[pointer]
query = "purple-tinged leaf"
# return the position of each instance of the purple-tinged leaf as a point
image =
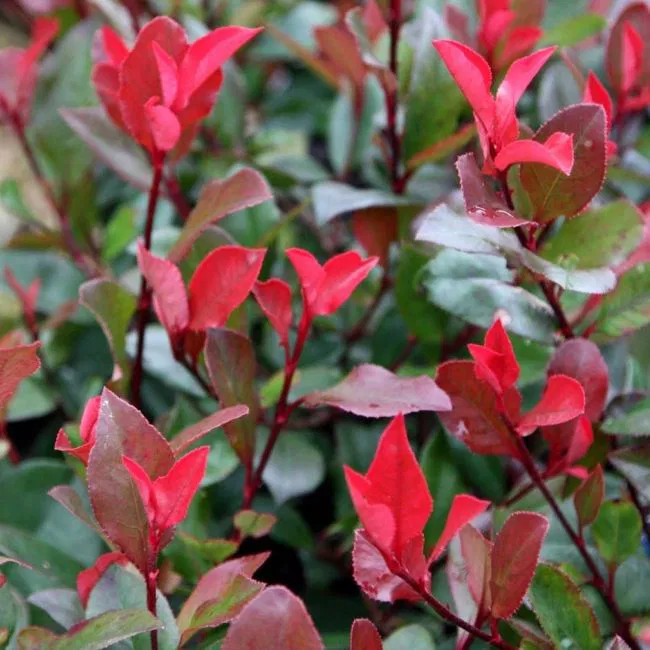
(589, 497)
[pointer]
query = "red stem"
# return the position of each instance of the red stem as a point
(151, 577)
(144, 299)
(394, 25)
(282, 413)
(623, 625)
(448, 615)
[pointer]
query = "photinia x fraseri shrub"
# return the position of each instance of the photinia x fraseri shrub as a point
(325, 330)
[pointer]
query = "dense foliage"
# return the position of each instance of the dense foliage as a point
(323, 324)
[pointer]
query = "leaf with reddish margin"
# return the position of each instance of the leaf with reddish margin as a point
(477, 554)
(514, 559)
(169, 294)
(555, 152)
(221, 282)
(482, 203)
(112, 146)
(464, 509)
(215, 582)
(16, 364)
(231, 364)
(274, 619)
(618, 644)
(364, 636)
(636, 14)
(568, 443)
(122, 430)
(563, 400)
(392, 500)
(274, 299)
(218, 199)
(474, 417)
(254, 524)
(68, 497)
(373, 391)
(373, 576)
(189, 435)
(589, 497)
(553, 194)
(376, 229)
(582, 360)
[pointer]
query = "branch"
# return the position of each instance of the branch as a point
(394, 25)
(144, 300)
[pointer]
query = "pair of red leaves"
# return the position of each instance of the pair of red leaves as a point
(495, 117)
(159, 90)
(324, 288)
(221, 282)
(486, 405)
(19, 70)
(140, 485)
(393, 503)
(506, 29)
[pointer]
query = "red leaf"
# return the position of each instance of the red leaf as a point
(514, 560)
(571, 194)
(193, 433)
(122, 430)
(86, 431)
(373, 575)
(174, 491)
(596, 93)
(581, 359)
(589, 497)
(326, 288)
(376, 229)
(274, 619)
(392, 499)
(473, 76)
(373, 391)
(16, 364)
(482, 203)
(636, 15)
(274, 298)
(27, 297)
(169, 295)
(221, 282)
(88, 578)
(464, 509)
(477, 553)
(495, 360)
(563, 400)
(364, 635)
(475, 417)
(216, 582)
(556, 152)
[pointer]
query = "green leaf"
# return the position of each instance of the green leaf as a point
(617, 531)
(434, 102)
(636, 422)
(631, 588)
(601, 236)
(254, 524)
(424, 320)
(120, 589)
(410, 637)
(120, 232)
(627, 308)
(113, 306)
(589, 497)
(14, 615)
(562, 611)
(94, 634)
(444, 480)
(445, 227)
(574, 30)
(296, 466)
(62, 605)
(634, 464)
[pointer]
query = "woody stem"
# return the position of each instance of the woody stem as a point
(151, 576)
(544, 285)
(449, 616)
(394, 25)
(144, 299)
(622, 624)
(282, 413)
